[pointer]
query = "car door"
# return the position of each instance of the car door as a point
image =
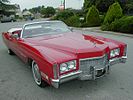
(13, 42)
(17, 46)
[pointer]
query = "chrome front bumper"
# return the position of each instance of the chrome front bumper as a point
(77, 74)
(117, 60)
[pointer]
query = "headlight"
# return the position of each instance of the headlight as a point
(67, 66)
(63, 67)
(114, 52)
(117, 51)
(72, 65)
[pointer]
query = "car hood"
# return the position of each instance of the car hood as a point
(83, 45)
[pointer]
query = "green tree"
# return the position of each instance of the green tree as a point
(4, 1)
(114, 12)
(124, 24)
(92, 17)
(64, 15)
(43, 11)
(36, 9)
(88, 4)
(129, 7)
(73, 21)
(103, 5)
(2, 4)
(49, 11)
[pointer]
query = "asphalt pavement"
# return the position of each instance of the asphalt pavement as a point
(16, 81)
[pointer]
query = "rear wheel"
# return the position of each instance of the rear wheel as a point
(10, 52)
(37, 75)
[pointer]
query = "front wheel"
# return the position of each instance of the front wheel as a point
(37, 75)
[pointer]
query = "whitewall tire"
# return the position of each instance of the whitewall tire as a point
(37, 75)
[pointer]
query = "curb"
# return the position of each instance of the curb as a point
(97, 29)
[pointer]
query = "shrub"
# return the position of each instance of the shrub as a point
(92, 17)
(102, 18)
(105, 27)
(84, 24)
(114, 12)
(125, 24)
(63, 15)
(73, 21)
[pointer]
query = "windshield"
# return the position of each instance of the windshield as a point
(44, 28)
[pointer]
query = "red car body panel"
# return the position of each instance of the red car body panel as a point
(56, 49)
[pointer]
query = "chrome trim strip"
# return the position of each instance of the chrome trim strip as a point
(56, 82)
(92, 58)
(114, 59)
(55, 71)
(117, 60)
(21, 35)
(71, 74)
(124, 57)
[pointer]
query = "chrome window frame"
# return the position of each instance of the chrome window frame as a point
(21, 35)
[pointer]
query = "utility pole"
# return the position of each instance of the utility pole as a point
(64, 4)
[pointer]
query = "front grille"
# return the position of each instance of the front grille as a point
(87, 64)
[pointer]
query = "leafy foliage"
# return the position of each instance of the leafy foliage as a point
(102, 18)
(49, 11)
(105, 27)
(124, 24)
(88, 4)
(103, 5)
(73, 21)
(69, 17)
(114, 12)
(129, 8)
(36, 9)
(64, 15)
(4, 1)
(4, 6)
(92, 17)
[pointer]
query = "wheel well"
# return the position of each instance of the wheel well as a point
(30, 62)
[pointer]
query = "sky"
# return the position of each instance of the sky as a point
(76, 4)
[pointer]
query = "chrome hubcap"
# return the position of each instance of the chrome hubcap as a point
(36, 73)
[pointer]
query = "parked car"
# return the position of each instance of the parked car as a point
(57, 55)
(7, 19)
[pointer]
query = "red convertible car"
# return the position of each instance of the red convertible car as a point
(56, 54)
